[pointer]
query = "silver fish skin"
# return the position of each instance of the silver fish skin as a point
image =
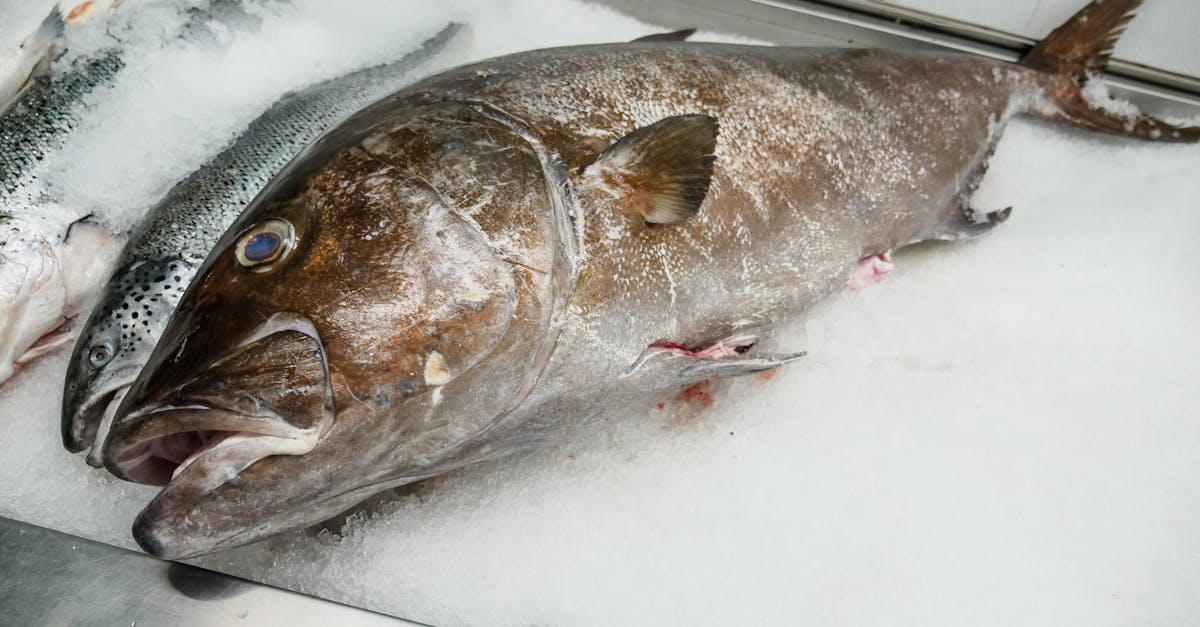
(502, 254)
(51, 257)
(55, 257)
(168, 246)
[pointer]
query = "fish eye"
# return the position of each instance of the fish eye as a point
(100, 354)
(265, 244)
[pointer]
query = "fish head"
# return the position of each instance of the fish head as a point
(114, 345)
(31, 290)
(43, 278)
(369, 319)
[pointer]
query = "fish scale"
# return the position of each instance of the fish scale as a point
(32, 127)
(168, 246)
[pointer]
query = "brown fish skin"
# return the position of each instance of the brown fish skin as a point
(466, 282)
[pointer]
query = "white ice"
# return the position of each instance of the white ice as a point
(1004, 431)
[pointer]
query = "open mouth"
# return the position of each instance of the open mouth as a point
(268, 396)
(216, 436)
(210, 444)
(110, 402)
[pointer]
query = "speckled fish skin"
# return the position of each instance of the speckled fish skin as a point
(169, 244)
(464, 285)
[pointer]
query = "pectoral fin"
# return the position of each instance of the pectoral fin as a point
(725, 358)
(662, 170)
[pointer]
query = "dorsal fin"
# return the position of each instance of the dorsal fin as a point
(664, 168)
(675, 35)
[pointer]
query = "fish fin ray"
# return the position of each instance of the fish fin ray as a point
(664, 168)
(1074, 54)
(1084, 43)
(688, 369)
(675, 35)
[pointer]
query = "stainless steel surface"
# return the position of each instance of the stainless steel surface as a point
(51, 578)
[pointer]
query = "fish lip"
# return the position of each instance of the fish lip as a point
(93, 409)
(193, 447)
(207, 469)
(122, 450)
(147, 425)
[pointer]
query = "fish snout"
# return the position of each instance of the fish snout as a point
(88, 411)
(269, 395)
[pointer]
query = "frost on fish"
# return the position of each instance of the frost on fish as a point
(478, 272)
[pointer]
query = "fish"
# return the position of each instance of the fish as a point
(30, 58)
(169, 244)
(491, 259)
(53, 257)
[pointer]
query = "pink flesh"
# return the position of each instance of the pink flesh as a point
(699, 393)
(228, 437)
(176, 451)
(724, 349)
(44, 344)
(870, 269)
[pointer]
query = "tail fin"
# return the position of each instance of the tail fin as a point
(1079, 49)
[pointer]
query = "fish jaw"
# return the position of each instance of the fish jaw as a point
(220, 475)
(211, 506)
(196, 439)
(154, 422)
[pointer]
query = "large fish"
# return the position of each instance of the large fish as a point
(173, 239)
(488, 259)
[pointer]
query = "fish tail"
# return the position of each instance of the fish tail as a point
(1074, 54)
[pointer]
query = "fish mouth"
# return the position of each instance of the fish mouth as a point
(229, 427)
(205, 451)
(209, 444)
(92, 419)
